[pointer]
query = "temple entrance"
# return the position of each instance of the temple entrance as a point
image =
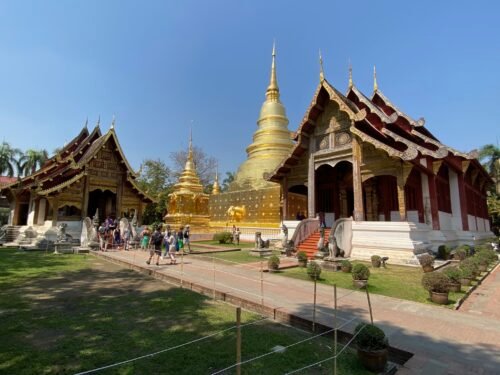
(105, 201)
(381, 198)
(23, 210)
(297, 202)
(334, 191)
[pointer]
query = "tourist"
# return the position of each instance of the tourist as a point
(237, 236)
(108, 240)
(233, 234)
(186, 238)
(117, 238)
(145, 238)
(180, 239)
(126, 238)
(101, 232)
(166, 236)
(172, 241)
(156, 240)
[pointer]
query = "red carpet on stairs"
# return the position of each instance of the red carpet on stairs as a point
(311, 243)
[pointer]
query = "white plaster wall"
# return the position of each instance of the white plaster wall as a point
(445, 221)
(395, 216)
(480, 225)
(456, 220)
(412, 216)
(291, 225)
(41, 211)
(472, 222)
(329, 219)
(487, 225)
(381, 217)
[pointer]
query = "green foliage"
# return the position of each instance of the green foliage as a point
(360, 272)
(31, 160)
(444, 252)
(313, 270)
(273, 262)
(302, 256)
(461, 253)
(370, 337)
(426, 260)
(435, 282)
(223, 237)
(227, 181)
(488, 255)
(376, 258)
(469, 264)
(8, 159)
(345, 263)
(205, 165)
(453, 273)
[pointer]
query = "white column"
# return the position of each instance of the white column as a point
(31, 211)
(311, 189)
(42, 206)
(456, 211)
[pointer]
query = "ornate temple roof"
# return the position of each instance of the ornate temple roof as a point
(374, 120)
(69, 165)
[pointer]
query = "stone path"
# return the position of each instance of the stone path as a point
(443, 341)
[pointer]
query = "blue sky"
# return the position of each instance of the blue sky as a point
(158, 65)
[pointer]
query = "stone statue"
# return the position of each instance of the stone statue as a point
(86, 232)
(284, 241)
(333, 249)
(3, 234)
(62, 236)
(259, 242)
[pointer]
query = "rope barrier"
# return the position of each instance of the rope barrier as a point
(167, 349)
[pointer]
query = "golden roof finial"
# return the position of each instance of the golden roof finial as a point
(350, 75)
(113, 122)
(273, 91)
(190, 158)
(321, 72)
(86, 122)
(375, 85)
(98, 121)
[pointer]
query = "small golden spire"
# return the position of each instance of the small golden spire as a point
(375, 85)
(216, 186)
(321, 72)
(350, 75)
(98, 121)
(273, 91)
(190, 158)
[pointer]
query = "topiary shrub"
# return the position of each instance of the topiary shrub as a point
(370, 337)
(460, 253)
(346, 265)
(313, 270)
(426, 260)
(444, 252)
(453, 273)
(467, 270)
(302, 257)
(273, 262)
(436, 282)
(376, 260)
(360, 272)
(223, 237)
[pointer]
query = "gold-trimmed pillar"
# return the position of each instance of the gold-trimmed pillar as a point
(356, 180)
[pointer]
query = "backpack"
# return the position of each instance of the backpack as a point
(157, 238)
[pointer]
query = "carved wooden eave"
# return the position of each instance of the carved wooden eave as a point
(440, 145)
(436, 165)
(344, 104)
(440, 153)
(373, 108)
(63, 185)
(416, 123)
(409, 154)
(465, 165)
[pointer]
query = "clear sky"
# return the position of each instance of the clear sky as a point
(158, 65)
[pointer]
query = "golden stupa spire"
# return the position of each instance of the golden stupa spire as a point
(321, 72)
(216, 186)
(273, 91)
(190, 158)
(350, 75)
(375, 85)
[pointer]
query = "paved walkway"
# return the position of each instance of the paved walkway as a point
(443, 341)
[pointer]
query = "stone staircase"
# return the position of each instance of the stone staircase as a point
(310, 245)
(12, 233)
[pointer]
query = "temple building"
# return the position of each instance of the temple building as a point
(89, 173)
(361, 157)
(188, 204)
(251, 200)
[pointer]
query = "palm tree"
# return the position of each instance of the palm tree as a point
(489, 155)
(8, 159)
(31, 160)
(227, 181)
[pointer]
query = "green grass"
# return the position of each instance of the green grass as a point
(242, 256)
(242, 245)
(394, 281)
(69, 313)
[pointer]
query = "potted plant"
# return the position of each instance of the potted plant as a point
(444, 252)
(482, 261)
(454, 274)
(376, 261)
(346, 266)
(372, 346)
(437, 283)
(313, 270)
(427, 262)
(360, 275)
(471, 264)
(302, 257)
(223, 237)
(460, 254)
(467, 274)
(273, 263)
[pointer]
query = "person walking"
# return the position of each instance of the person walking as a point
(186, 235)
(101, 234)
(166, 236)
(237, 236)
(156, 240)
(180, 239)
(172, 241)
(126, 238)
(145, 238)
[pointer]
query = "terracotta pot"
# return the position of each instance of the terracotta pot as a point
(455, 287)
(346, 269)
(439, 298)
(359, 283)
(302, 263)
(376, 263)
(374, 361)
(465, 281)
(428, 268)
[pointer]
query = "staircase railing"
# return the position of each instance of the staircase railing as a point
(305, 228)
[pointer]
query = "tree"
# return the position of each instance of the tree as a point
(489, 155)
(31, 160)
(227, 181)
(155, 180)
(205, 165)
(8, 159)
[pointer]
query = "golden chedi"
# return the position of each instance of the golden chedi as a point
(251, 200)
(188, 204)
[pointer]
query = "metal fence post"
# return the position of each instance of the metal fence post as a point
(335, 327)
(238, 340)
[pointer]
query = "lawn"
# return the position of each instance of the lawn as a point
(70, 313)
(394, 281)
(242, 256)
(242, 245)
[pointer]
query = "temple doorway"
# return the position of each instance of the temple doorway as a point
(105, 201)
(334, 191)
(297, 202)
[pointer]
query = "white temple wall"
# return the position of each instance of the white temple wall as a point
(472, 223)
(456, 212)
(31, 212)
(42, 205)
(426, 196)
(412, 216)
(11, 213)
(445, 221)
